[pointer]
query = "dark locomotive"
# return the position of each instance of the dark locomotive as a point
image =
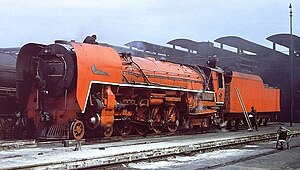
(9, 117)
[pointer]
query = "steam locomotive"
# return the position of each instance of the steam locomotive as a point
(75, 90)
(8, 118)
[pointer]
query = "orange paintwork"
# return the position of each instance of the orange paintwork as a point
(107, 118)
(156, 102)
(119, 83)
(61, 112)
(254, 93)
(220, 92)
(202, 122)
(110, 100)
(207, 103)
(162, 73)
(31, 108)
(123, 113)
(107, 114)
(105, 59)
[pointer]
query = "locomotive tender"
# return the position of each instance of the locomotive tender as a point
(75, 90)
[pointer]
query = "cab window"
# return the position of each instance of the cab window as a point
(220, 80)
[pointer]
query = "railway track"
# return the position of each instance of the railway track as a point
(113, 151)
(30, 143)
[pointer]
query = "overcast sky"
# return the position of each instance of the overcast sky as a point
(157, 21)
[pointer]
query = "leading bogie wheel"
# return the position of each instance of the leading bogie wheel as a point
(77, 130)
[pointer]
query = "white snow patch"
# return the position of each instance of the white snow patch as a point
(200, 160)
(251, 146)
(152, 165)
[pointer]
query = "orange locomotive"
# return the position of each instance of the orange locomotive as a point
(71, 90)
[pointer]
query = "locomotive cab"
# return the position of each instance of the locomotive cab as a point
(215, 82)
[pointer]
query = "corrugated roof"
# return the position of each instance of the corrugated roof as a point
(184, 43)
(189, 44)
(145, 46)
(154, 48)
(247, 45)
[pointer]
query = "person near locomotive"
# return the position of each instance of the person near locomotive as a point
(253, 118)
(91, 39)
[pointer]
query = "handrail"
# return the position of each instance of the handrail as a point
(244, 108)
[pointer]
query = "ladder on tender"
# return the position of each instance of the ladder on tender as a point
(244, 108)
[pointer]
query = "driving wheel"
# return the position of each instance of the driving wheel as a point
(172, 119)
(123, 128)
(157, 117)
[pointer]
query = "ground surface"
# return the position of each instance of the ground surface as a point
(97, 154)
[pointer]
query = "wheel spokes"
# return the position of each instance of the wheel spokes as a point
(157, 123)
(141, 118)
(124, 128)
(141, 129)
(172, 119)
(108, 131)
(77, 130)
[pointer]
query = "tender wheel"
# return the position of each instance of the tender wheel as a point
(123, 128)
(259, 121)
(236, 124)
(266, 121)
(228, 124)
(158, 120)
(172, 119)
(108, 131)
(77, 130)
